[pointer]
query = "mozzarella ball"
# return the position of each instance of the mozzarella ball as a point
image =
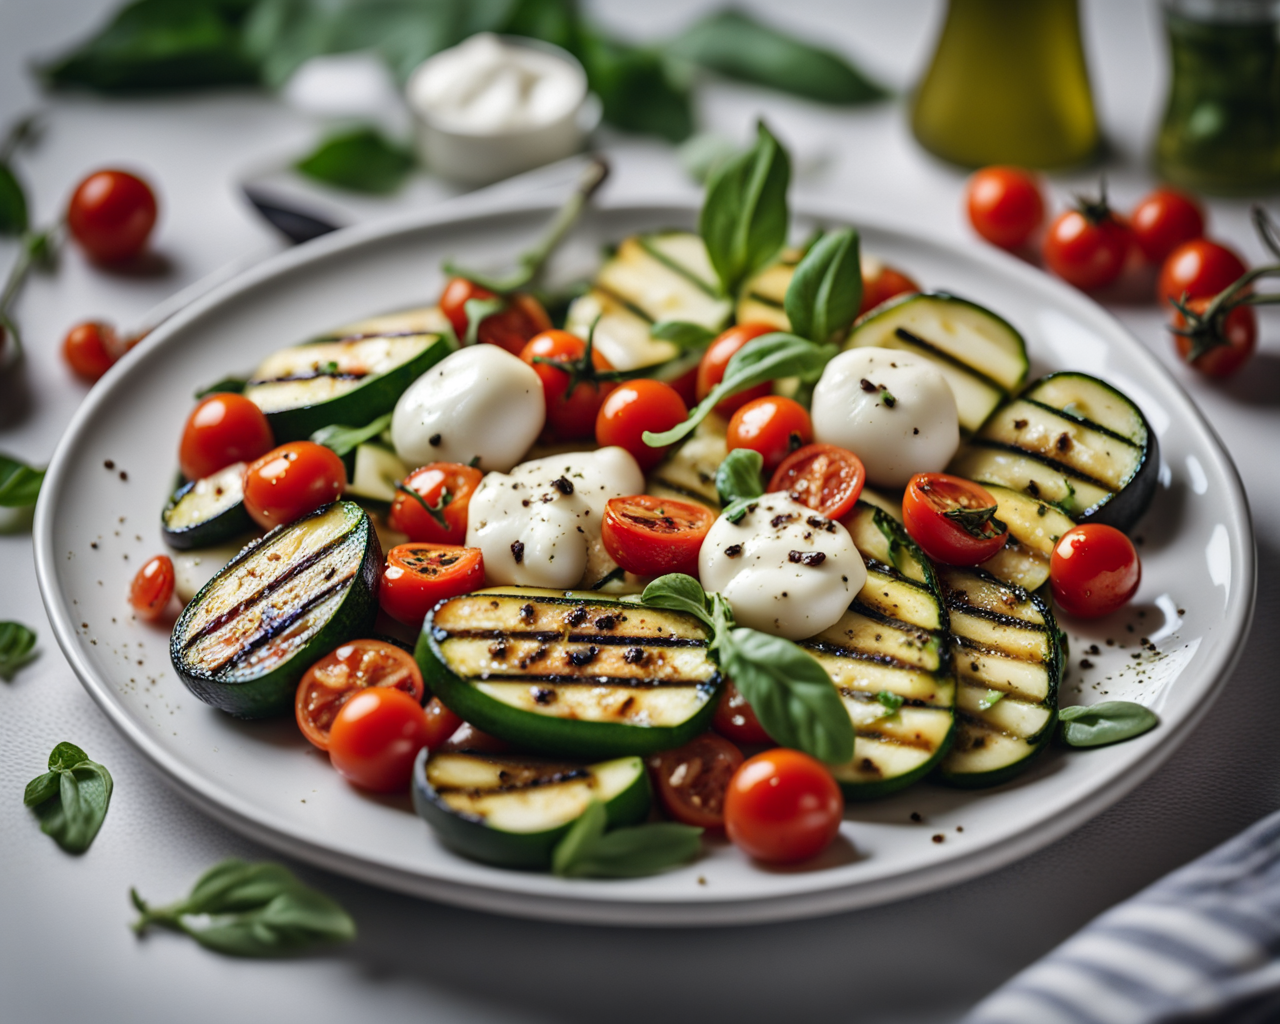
(480, 401)
(892, 409)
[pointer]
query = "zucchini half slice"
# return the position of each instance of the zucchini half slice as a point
(513, 810)
(352, 380)
(763, 298)
(207, 512)
(251, 632)
(570, 674)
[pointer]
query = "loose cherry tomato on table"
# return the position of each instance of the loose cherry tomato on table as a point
(880, 283)
(438, 513)
(572, 395)
(774, 426)
(375, 737)
(783, 806)
(344, 672)
(1005, 205)
(653, 536)
(634, 407)
(1198, 269)
(223, 428)
(111, 214)
(290, 481)
(692, 780)
(716, 358)
(736, 719)
(509, 328)
(1088, 246)
(1163, 221)
(1217, 349)
(824, 477)
(1094, 569)
(952, 519)
(419, 576)
(152, 587)
(89, 349)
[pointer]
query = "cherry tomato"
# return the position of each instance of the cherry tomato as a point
(634, 407)
(686, 386)
(290, 481)
(1238, 337)
(1005, 205)
(419, 576)
(468, 737)
(1094, 569)
(111, 214)
(944, 515)
(509, 328)
(783, 806)
(441, 723)
(1088, 246)
(880, 283)
(152, 587)
(344, 672)
(573, 400)
(1163, 221)
(716, 358)
(1198, 269)
(773, 426)
(374, 738)
(89, 349)
(737, 720)
(826, 478)
(445, 488)
(692, 780)
(652, 536)
(222, 429)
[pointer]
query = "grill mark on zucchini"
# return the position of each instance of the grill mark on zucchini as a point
(766, 300)
(625, 303)
(344, 375)
(839, 651)
(548, 636)
(1081, 420)
(1061, 468)
(625, 682)
(943, 356)
(657, 254)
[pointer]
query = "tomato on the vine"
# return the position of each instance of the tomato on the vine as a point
(773, 425)
(436, 510)
(952, 519)
(736, 719)
(419, 576)
(111, 215)
(375, 737)
(824, 477)
(1198, 269)
(880, 283)
(573, 397)
(716, 358)
(152, 587)
(1005, 205)
(1163, 221)
(292, 480)
(341, 674)
(692, 780)
(783, 806)
(634, 407)
(1094, 569)
(90, 349)
(511, 327)
(223, 428)
(1217, 349)
(652, 536)
(1088, 246)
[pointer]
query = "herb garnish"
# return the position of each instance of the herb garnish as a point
(435, 511)
(71, 798)
(362, 160)
(17, 647)
(19, 483)
(589, 851)
(977, 522)
(738, 482)
(1098, 725)
(342, 440)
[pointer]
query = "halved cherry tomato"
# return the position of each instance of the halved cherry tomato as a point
(1163, 221)
(952, 519)
(824, 477)
(692, 780)
(634, 407)
(419, 576)
(439, 512)
(152, 587)
(1005, 205)
(292, 480)
(223, 428)
(1238, 336)
(375, 737)
(737, 720)
(880, 283)
(509, 328)
(1088, 246)
(1094, 569)
(441, 723)
(344, 672)
(111, 214)
(774, 426)
(573, 398)
(1198, 269)
(89, 348)
(783, 806)
(652, 536)
(716, 358)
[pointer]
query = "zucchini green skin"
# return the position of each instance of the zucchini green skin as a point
(223, 527)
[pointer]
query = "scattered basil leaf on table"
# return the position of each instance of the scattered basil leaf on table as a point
(1097, 725)
(19, 483)
(228, 385)
(251, 910)
(342, 440)
(639, 89)
(71, 798)
(589, 851)
(684, 335)
(362, 160)
(826, 289)
(17, 647)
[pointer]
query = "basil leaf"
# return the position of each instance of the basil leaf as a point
(13, 203)
(826, 289)
(17, 647)
(739, 476)
(1097, 725)
(744, 216)
(341, 439)
(477, 311)
(582, 834)
(228, 385)
(588, 851)
(71, 799)
(678, 592)
(683, 335)
(639, 90)
(19, 483)
(361, 160)
(791, 694)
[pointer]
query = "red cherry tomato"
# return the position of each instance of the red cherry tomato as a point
(344, 672)
(443, 487)
(652, 536)
(222, 429)
(773, 426)
(1198, 269)
(573, 401)
(152, 587)
(111, 214)
(468, 737)
(692, 780)
(374, 738)
(880, 283)
(509, 328)
(1163, 221)
(716, 358)
(934, 511)
(686, 386)
(1005, 205)
(441, 723)
(825, 478)
(290, 481)
(634, 407)
(1087, 247)
(1094, 569)
(1238, 335)
(419, 576)
(737, 720)
(783, 806)
(89, 349)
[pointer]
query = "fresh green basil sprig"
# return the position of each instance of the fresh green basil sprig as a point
(361, 160)
(17, 647)
(1098, 725)
(738, 482)
(252, 910)
(342, 440)
(19, 483)
(684, 335)
(588, 851)
(71, 798)
(826, 289)
(789, 691)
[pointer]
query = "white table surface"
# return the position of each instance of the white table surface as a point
(65, 949)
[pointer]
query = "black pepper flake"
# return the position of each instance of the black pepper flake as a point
(939, 838)
(123, 475)
(526, 613)
(541, 695)
(1063, 444)
(1032, 489)
(583, 657)
(915, 816)
(517, 552)
(109, 464)
(576, 617)
(1110, 642)
(1182, 611)
(564, 485)
(498, 651)
(1093, 649)
(733, 551)
(1019, 424)
(1086, 663)
(868, 386)
(606, 622)
(794, 441)
(525, 502)
(93, 544)
(635, 656)
(915, 430)
(434, 440)
(782, 520)
(809, 558)
(330, 574)
(1042, 510)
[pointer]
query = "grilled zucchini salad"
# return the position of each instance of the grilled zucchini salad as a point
(741, 500)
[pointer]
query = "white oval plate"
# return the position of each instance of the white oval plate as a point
(94, 528)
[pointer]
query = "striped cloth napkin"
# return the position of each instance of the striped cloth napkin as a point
(1201, 944)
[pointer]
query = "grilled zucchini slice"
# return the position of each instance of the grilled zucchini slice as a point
(570, 674)
(512, 811)
(247, 637)
(204, 513)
